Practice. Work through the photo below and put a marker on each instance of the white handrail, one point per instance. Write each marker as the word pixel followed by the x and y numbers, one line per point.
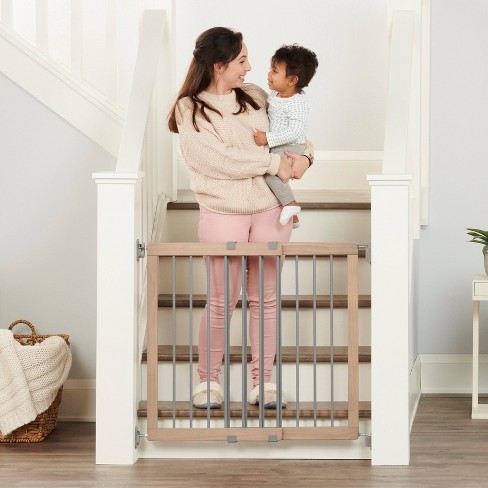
pixel 150 48
pixel 399 89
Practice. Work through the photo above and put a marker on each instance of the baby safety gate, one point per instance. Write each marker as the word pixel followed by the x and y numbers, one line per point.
pixel 310 366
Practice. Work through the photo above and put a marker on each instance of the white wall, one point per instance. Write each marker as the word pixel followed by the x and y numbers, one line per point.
pixel 458 175
pixel 349 37
pixel 48 223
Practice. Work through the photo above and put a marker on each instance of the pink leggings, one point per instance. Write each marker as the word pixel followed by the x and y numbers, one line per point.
pixel 258 227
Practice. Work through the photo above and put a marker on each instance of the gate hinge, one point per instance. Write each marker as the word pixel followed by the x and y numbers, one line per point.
pixel 367 248
pixel 141 249
pixel 137 438
pixel 367 439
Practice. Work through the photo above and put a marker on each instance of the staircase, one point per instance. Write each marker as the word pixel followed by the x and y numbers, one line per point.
pixel 333 215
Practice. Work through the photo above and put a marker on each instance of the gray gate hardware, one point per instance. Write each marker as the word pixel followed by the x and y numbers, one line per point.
pixel 137 437
pixel 367 439
pixel 367 248
pixel 141 249
pixel 231 439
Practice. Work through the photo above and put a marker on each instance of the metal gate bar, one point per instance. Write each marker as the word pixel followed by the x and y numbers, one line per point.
pixel 244 341
pixel 331 337
pixel 314 334
pixel 297 343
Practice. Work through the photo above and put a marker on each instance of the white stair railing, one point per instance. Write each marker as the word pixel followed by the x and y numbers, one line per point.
pixel 76 57
pixel 128 202
pixel 60 32
pixel 51 50
pixel 396 197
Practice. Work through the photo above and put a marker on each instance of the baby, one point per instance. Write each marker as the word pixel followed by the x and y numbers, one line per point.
pixel 292 68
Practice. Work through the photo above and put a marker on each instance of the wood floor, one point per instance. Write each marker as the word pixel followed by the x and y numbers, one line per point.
pixel 448 450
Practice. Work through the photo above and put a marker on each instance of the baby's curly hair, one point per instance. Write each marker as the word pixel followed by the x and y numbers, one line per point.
pixel 300 62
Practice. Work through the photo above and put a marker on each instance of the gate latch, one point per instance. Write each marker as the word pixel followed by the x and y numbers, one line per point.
pixel 141 249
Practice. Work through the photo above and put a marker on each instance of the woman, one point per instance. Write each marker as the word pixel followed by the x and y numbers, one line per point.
pixel 216 115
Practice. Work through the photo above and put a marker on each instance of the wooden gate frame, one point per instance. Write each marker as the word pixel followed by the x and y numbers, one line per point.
pixel 155 433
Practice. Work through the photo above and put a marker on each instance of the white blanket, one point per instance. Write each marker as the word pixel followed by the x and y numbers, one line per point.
pixel 30 377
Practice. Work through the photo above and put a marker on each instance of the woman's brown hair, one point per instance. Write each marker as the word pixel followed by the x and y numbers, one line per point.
pixel 215 45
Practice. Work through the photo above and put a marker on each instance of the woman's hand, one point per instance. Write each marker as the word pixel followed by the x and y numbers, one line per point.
pixel 300 164
pixel 285 171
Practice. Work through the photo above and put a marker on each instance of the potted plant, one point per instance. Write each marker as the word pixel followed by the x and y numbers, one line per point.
pixel 481 237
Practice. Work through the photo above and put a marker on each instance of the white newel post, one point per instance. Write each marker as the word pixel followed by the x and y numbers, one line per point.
pixel 390 242
pixel 116 411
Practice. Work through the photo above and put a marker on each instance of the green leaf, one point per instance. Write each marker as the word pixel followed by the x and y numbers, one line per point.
pixel 478 231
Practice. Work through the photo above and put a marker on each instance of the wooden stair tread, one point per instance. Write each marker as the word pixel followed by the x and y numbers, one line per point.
pixel 165 353
pixel 165 410
pixel 287 301
pixel 177 205
pixel 308 199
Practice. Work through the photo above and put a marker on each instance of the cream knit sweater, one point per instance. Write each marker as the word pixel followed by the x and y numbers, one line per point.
pixel 226 166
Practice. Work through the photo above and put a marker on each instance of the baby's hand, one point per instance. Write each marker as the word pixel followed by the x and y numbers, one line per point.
pixel 260 138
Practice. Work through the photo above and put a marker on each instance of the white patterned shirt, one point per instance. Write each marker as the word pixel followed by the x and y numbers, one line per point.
pixel 287 119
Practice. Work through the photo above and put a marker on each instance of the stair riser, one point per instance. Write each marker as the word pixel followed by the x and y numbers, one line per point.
pixel 306 375
pixel 315 226
pixel 288 276
pixel 325 173
pixel 288 321
pixel 338 174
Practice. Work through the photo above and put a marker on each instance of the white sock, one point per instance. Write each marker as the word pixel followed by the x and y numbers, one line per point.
pixel 288 212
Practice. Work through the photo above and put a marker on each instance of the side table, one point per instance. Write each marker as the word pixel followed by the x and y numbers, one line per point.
pixel 480 292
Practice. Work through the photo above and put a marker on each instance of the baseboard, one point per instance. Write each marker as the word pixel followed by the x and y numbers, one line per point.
pixel 414 389
pixel 452 373
pixel 78 401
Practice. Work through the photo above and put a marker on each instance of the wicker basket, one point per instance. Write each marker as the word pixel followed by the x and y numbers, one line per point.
pixel 45 422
